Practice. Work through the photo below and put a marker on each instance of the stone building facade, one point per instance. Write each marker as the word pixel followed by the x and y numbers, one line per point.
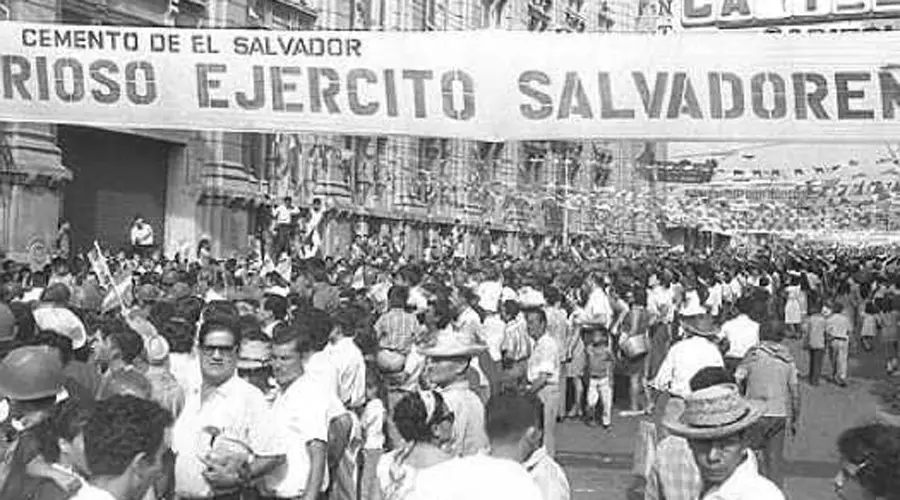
pixel 193 185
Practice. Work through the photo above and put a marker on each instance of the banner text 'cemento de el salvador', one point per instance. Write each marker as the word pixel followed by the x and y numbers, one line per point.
pixel 485 85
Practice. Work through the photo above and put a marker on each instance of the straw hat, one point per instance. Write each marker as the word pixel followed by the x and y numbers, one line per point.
pixel 714 412
pixel 451 343
pixel 254 354
pixel 529 298
pixel 703 325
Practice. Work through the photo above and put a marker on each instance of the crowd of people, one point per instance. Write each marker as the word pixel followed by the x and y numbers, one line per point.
pixel 437 379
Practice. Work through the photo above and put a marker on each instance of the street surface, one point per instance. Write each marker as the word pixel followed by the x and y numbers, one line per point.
pixel 598 462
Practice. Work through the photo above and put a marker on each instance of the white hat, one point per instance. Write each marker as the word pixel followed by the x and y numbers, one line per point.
pixel 452 343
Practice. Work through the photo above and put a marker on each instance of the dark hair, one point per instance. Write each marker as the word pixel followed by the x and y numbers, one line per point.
pixel 277 305
pixel 218 326
pixel 398 296
pixel 508 416
pixel 539 313
pixel 160 313
pixel 67 421
pixel 553 295
pixel 510 307
pixel 875 447
pixel 189 308
pixel 411 417
pixel 129 342
pixel 59 342
pixel 315 327
pixel 710 376
pixel 639 295
pixel 180 335
pixel 220 311
pixel 772 330
pixel 121 428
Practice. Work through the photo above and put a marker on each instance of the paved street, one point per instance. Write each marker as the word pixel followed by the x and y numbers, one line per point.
pixel 599 462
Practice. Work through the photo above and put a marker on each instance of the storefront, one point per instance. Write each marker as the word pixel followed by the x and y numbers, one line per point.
pixel 116 176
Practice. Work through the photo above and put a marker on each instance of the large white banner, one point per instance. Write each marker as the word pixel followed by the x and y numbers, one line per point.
pixel 486 85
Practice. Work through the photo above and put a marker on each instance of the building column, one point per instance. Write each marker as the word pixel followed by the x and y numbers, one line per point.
pixel 31 172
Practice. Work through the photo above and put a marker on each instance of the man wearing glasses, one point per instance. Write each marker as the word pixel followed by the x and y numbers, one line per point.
pixel 223 438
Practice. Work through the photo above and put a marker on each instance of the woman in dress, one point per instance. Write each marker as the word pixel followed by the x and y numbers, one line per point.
pixel 426 424
pixel 636 323
pixel 793 316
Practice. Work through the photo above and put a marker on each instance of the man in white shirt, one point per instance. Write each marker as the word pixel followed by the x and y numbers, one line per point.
pixel 284 215
pixel 716 422
pixel 300 415
pixel 515 425
pixel 543 373
pixel 689 356
pixel 141 236
pixel 347 359
pixel 476 477
pixel 223 438
pixel 742 334
pixel 124 444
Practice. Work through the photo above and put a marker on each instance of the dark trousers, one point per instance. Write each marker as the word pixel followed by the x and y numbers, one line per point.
pixel 816 360
pixel 768 443
pixel 282 243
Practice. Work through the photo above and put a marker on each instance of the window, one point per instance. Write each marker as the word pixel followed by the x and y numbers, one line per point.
pixel 535 160
pixel 433 154
pixel 281 14
pixel 255 152
pixel 487 158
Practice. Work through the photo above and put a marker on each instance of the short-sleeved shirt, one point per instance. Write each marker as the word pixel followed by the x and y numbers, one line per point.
pixel 236 410
pixel 373 425
pixel 299 416
pixel 838 326
pixel 478 477
pixel 469 432
pixel 350 370
pixel 544 359
pixel 397 330
pixel 600 360
pixel 516 342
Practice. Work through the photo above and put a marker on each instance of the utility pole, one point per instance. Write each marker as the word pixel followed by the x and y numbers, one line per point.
pixel 565 201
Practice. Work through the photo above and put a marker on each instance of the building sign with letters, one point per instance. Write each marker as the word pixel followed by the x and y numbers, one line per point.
pixel 744 13
pixel 486 85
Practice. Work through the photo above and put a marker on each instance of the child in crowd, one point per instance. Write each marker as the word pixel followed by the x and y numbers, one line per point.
pixel 868 325
pixel 890 331
pixel 837 329
pixel 373 422
pixel 599 374
pixel 814 339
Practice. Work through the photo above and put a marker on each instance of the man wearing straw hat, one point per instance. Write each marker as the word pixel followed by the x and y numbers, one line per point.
pixel 715 421
pixel 698 350
pixel 449 355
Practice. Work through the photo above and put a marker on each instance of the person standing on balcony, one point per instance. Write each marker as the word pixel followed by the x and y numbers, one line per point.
pixel 284 215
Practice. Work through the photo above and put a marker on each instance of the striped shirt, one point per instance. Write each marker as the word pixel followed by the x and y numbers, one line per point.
pixel 397 329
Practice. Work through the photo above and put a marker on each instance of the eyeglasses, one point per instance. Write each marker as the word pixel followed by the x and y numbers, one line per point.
pixel 209 350
pixel 847 472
